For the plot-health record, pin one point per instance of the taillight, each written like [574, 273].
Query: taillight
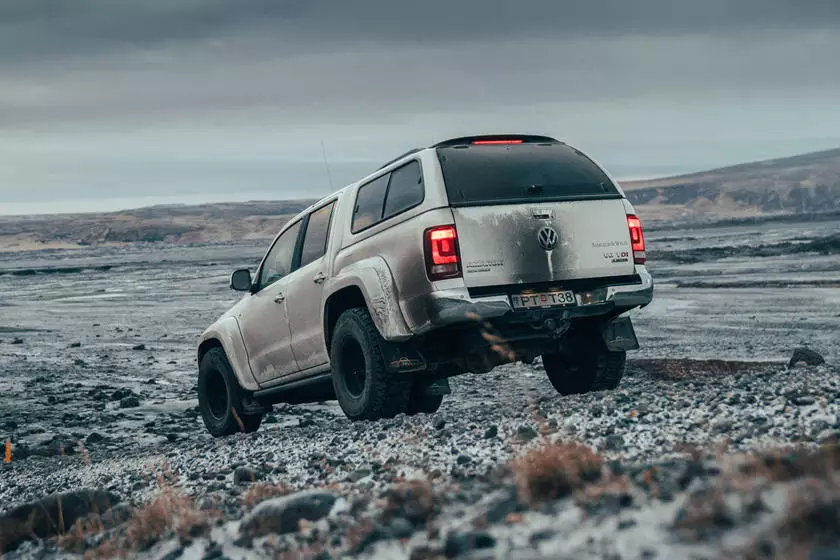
[495, 142]
[443, 259]
[637, 239]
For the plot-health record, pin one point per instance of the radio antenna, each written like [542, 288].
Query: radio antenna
[327, 165]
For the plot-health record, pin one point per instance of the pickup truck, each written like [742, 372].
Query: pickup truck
[450, 259]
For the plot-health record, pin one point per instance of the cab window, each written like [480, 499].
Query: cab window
[278, 262]
[317, 233]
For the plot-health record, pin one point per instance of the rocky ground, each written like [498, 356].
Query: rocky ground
[713, 447]
[445, 484]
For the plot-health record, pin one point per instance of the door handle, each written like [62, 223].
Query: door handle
[279, 298]
[319, 278]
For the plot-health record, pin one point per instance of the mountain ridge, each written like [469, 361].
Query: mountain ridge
[805, 184]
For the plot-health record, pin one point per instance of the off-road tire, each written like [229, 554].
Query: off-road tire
[421, 403]
[220, 397]
[586, 367]
[356, 349]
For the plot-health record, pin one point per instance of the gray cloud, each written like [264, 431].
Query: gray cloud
[114, 97]
[42, 27]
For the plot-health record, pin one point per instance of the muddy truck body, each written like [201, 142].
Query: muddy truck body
[451, 259]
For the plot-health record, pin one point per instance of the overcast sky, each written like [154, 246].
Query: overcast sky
[108, 104]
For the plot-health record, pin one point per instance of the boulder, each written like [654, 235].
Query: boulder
[283, 515]
[806, 355]
[40, 519]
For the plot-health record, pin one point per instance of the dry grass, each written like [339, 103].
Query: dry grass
[169, 514]
[553, 471]
[612, 492]
[413, 500]
[686, 369]
[812, 520]
[260, 492]
[75, 540]
[792, 463]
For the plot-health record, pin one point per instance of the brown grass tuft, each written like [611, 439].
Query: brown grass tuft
[677, 369]
[703, 512]
[259, 492]
[413, 500]
[553, 471]
[167, 515]
[789, 464]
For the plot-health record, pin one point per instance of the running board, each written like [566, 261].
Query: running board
[310, 389]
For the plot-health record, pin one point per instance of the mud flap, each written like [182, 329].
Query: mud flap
[619, 335]
[439, 387]
[401, 358]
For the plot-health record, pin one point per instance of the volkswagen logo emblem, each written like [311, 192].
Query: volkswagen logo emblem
[548, 238]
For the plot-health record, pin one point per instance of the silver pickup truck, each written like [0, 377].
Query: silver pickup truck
[451, 259]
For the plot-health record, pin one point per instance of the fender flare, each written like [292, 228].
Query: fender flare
[225, 333]
[373, 278]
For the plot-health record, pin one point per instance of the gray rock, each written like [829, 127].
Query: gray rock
[245, 475]
[129, 402]
[614, 442]
[458, 544]
[37, 519]
[439, 422]
[358, 475]
[526, 433]
[282, 515]
[116, 516]
[491, 432]
[806, 355]
[400, 528]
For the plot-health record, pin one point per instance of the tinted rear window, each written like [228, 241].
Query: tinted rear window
[369, 204]
[520, 173]
[405, 189]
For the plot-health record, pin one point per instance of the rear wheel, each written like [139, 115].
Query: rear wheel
[220, 397]
[365, 389]
[587, 366]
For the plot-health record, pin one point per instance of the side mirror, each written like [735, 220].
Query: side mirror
[240, 280]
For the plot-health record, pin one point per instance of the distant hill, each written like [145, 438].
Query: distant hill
[170, 224]
[804, 184]
[794, 185]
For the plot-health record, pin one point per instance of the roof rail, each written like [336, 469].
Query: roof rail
[399, 157]
[501, 138]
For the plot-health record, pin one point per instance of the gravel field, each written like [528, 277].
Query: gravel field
[683, 461]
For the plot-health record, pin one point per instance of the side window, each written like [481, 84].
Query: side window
[369, 202]
[405, 189]
[315, 238]
[278, 263]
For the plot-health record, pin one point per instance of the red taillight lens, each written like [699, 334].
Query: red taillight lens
[495, 142]
[443, 259]
[637, 239]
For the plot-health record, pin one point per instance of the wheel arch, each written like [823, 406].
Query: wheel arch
[368, 284]
[225, 334]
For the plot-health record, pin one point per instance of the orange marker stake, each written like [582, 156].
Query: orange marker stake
[8, 451]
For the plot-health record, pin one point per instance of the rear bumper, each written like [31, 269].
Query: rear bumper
[450, 307]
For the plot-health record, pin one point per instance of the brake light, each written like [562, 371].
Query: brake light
[492, 142]
[443, 259]
[637, 239]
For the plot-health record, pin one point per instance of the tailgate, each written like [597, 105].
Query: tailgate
[545, 242]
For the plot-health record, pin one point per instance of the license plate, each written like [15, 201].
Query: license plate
[543, 299]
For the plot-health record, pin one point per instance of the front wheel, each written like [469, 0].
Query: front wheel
[220, 397]
[585, 367]
[365, 389]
